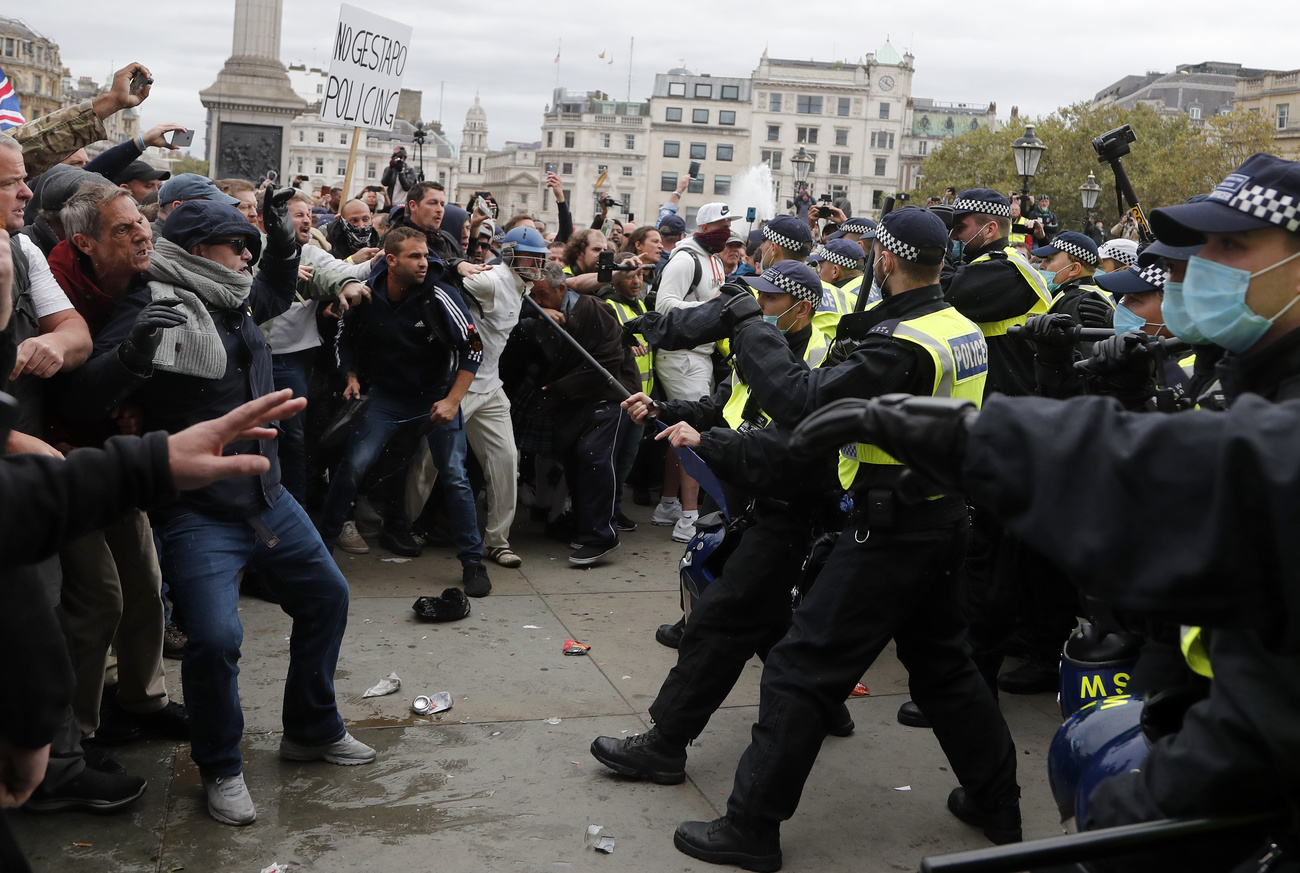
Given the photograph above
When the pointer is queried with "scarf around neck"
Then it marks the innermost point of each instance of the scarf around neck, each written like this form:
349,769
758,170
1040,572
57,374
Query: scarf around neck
194,348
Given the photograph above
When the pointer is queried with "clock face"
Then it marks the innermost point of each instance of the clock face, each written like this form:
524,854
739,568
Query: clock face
886,83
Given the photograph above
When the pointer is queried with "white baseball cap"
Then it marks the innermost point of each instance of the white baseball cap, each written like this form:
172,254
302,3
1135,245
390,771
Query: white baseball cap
1123,250
711,212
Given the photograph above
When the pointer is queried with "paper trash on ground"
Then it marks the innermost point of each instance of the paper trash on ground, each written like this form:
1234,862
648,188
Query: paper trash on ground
391,685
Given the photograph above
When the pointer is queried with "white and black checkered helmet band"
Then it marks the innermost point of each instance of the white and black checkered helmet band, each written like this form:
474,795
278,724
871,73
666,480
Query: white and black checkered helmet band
821,253
983,206
1265,203
1115,253
1074,250
793,287
1154,275
783,241
906,251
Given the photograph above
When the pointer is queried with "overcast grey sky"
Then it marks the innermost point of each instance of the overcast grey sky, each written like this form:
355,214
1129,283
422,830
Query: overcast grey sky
505,50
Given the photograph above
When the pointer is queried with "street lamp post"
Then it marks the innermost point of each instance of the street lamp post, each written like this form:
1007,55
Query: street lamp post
802,163
419,136
1029,151
1088,192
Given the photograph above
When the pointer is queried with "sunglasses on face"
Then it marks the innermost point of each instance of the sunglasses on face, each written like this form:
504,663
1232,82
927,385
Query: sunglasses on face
239,244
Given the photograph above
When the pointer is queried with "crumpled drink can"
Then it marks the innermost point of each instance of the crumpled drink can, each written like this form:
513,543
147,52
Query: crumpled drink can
422,705
573,647
431,704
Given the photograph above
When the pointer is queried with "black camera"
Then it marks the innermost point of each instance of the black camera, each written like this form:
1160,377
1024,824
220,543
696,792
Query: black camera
609,202
825,198
605,267
1113,144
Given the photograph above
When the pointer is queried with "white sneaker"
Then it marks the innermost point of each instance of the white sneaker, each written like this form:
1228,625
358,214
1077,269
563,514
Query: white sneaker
684,529
350,541
667,512
346,751
228,800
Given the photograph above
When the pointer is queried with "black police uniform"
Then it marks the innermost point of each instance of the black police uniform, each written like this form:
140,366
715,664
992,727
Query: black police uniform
887,577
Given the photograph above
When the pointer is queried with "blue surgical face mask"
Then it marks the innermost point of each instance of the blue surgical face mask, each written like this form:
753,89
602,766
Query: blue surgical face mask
1099,272
1174,311
1127,320
1215,296
1050,279
773,319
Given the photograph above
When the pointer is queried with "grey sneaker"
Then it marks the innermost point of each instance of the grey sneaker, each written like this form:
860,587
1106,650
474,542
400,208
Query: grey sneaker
350,541
346,751
228,800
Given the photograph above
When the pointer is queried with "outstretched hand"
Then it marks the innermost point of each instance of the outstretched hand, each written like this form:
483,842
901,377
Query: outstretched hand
195,453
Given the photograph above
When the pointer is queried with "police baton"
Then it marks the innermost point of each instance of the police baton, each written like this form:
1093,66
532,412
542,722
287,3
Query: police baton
1075,334
869,275
586,356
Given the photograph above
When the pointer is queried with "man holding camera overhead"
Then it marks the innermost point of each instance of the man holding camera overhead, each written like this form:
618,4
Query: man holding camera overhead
399,177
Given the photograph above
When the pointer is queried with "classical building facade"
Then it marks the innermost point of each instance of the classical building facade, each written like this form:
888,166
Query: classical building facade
930,123
597,145
31,63
1277,97
1198,90
515,178
473,152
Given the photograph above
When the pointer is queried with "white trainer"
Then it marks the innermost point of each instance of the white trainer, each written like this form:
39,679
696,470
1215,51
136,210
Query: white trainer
351,541
228,800
667,512
347,751
684,529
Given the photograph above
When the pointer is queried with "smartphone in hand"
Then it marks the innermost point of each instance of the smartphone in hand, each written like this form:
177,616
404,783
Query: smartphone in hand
181,139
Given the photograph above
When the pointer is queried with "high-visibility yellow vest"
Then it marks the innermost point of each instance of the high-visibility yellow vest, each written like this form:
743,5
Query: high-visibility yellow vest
836,302
1105,295
645,363
1035,280
734,411
1192,641
961,366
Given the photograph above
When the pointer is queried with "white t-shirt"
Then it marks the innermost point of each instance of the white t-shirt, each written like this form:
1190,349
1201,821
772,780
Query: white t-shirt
46,293
499,295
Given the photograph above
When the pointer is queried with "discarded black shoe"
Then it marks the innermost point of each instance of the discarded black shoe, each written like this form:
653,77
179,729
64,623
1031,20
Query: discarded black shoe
450,605
670,635
722,842
643,756
1031,677
842,724
1000,824
476,581
910,714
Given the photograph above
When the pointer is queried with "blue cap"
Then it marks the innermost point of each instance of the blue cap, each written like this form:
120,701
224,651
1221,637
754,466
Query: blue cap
984,200
906,231
789,232
1263,192
197,221
858,224
845,253
1073,243
192,186
672,223
1135,280
789,277
1161,249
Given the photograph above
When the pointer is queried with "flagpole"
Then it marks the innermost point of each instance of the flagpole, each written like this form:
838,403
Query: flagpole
631,43
558,47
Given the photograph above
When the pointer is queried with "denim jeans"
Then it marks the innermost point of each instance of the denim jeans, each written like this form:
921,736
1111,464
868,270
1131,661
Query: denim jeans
446,444
201,556
293,370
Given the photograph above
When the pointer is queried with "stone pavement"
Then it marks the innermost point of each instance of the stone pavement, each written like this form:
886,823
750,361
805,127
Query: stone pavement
504,781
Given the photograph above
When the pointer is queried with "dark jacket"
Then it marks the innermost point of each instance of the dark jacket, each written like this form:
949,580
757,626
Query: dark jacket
441,243
413,348
407,175
172,402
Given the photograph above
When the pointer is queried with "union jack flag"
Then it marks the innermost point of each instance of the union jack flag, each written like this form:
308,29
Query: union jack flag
11,114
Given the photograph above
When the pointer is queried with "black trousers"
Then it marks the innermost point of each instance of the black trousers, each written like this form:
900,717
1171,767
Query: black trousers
743,613
876,585
590,469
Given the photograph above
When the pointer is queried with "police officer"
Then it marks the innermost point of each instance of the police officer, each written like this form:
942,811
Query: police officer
1069,263
892,572
856,229
839,263
1216,490
747,610
785,238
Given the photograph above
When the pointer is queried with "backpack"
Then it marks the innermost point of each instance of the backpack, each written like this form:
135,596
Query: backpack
650,295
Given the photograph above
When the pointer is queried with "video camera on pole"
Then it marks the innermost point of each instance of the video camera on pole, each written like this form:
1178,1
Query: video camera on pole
1111,147
606,268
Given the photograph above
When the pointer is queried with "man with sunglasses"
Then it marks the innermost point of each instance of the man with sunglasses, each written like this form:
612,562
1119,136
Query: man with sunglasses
199,370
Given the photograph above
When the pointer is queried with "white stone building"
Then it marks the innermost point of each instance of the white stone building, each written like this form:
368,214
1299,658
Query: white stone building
515,178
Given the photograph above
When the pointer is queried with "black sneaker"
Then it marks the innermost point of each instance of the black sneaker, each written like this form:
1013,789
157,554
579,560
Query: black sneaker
842,724
590,554
399,542
1000,824
89,791
721,842
172,722
117,727
476,581
1031,677
910,714
622,522
97,758
644,756
670,635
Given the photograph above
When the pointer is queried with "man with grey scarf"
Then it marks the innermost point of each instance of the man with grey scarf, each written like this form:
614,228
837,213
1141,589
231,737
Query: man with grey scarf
200,369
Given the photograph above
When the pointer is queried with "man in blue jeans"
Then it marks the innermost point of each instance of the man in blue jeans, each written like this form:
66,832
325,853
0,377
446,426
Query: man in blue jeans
187,348
416,344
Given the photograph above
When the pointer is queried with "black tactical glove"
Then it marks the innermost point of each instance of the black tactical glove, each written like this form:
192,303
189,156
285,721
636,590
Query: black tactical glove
741,305
1124,364
281,236
1051,335
1094,312
138,349
928,434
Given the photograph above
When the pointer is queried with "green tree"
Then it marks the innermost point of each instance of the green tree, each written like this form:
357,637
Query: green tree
187,163
1173,158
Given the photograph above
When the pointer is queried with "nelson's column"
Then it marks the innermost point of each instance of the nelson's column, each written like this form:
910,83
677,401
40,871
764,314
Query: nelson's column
252,103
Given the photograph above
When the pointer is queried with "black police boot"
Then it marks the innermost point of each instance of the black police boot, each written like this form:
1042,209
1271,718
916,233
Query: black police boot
1031,677
842,724
670,635
721,841
1001,824
650,755
910,714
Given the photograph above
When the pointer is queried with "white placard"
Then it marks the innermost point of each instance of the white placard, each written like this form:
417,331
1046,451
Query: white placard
366,67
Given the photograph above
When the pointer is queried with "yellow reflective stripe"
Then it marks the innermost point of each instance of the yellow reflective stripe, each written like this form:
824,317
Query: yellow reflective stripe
644,363
734,411
1035,280
1192,642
